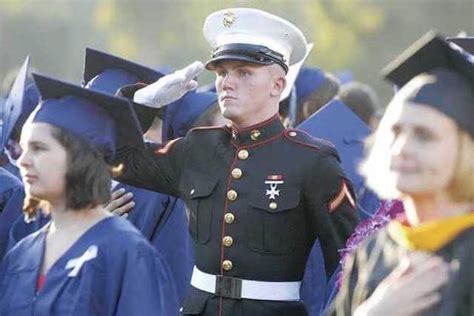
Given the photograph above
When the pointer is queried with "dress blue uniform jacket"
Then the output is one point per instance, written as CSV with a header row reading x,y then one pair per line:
x,y
222,171
126,277
11,205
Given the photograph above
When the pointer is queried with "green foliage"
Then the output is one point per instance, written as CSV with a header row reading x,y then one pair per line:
x,y
337,28
360,35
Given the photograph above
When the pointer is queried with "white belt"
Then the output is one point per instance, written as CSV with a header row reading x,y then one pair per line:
x,y
239,288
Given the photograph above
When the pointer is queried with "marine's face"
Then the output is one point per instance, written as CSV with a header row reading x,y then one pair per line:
x,y
423,150
43,163
245,91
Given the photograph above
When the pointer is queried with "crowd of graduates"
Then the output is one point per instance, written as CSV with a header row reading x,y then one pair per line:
x,y
414,240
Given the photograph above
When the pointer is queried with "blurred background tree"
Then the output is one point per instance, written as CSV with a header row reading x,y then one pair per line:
x,y
356,35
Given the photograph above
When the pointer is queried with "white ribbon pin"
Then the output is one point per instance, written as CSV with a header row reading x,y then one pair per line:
x,y
77,263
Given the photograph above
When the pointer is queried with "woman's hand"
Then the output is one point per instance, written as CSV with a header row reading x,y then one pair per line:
x,y
411,288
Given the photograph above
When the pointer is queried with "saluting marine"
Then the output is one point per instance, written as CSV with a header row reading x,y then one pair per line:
x,y
259,195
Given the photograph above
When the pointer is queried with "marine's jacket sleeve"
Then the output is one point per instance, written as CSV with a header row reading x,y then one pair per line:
x,y
155,167
330,201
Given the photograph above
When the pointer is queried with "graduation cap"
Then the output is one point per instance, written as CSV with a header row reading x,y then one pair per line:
x,y
337,123
21,101
434,73
309,79
101,119
180,115
466,43
107,73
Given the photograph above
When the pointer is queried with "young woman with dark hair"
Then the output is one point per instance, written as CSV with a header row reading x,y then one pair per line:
x,y
85,261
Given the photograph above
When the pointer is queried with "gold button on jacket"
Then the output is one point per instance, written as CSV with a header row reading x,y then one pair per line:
x,y
227,265
243,154
232,195
227,241
236,173
229,218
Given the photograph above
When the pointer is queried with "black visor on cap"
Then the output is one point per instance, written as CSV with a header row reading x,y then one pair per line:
x,y
247,52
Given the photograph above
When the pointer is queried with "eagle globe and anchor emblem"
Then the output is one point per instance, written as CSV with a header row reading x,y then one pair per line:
x,y
229,19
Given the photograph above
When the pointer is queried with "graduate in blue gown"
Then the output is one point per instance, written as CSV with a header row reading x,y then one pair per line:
x,y
159,217
11,204
107,73
20,102
336,123
24,97
85,261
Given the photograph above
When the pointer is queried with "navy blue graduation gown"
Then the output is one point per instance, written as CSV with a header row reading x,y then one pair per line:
x,y
21,228
314,288
121,274
162,220
11,203
12,169
174,242
149,210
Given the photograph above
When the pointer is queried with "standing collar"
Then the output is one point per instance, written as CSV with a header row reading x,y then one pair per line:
x,y
257,133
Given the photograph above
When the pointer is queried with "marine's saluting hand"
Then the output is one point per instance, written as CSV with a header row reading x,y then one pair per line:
x,y
170,87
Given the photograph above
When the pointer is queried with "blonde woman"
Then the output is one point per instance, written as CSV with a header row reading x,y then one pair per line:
x,y
422,154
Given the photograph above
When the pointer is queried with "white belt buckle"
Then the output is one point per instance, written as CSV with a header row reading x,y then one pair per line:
x,y
228,287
